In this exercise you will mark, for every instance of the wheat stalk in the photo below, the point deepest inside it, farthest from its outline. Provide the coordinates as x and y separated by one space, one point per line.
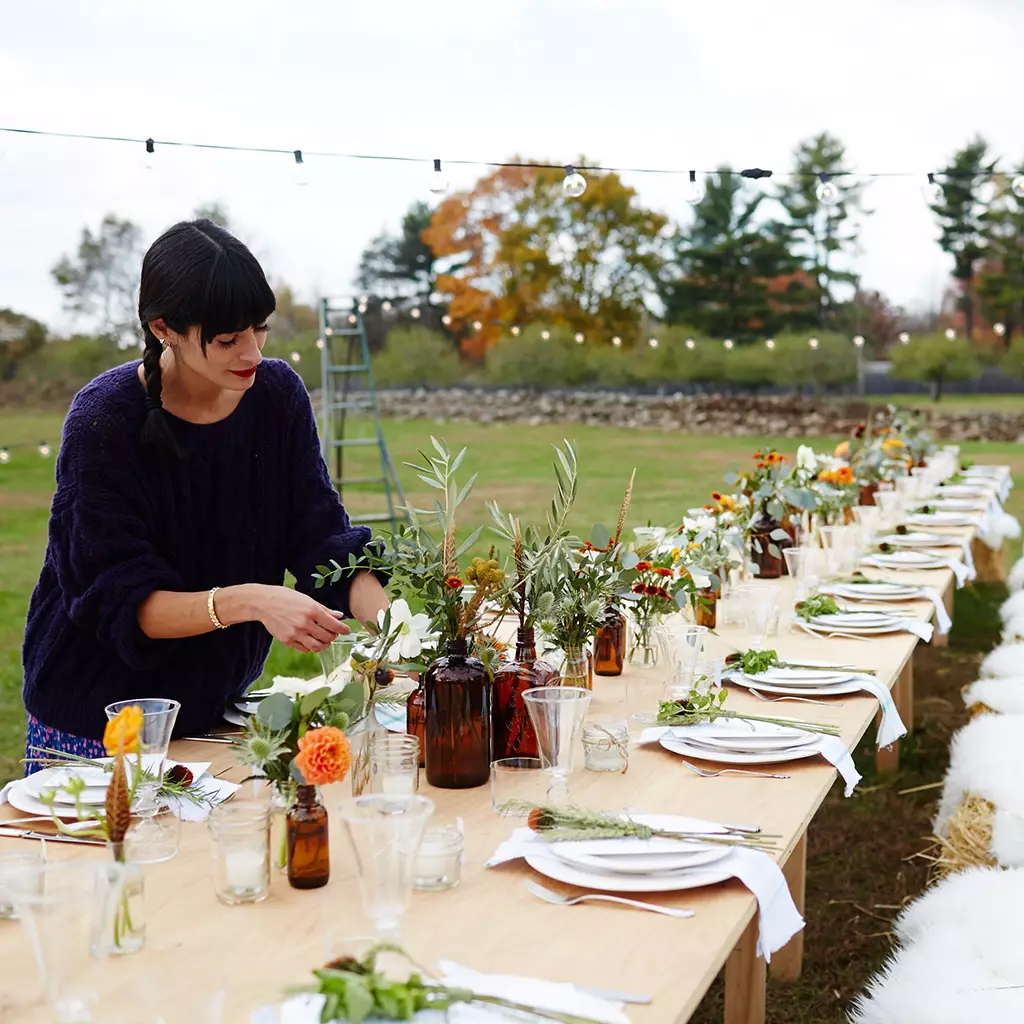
118 804
626 498
520 560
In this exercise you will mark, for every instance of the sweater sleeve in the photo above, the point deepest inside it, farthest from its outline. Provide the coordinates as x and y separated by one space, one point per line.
101 539
321 529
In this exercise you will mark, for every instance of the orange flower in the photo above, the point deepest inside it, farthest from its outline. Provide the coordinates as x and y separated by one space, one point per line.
454 583
324 756
642 566
535 819
639 588
663 572
122 731
842 450
715 496
844 475
726 503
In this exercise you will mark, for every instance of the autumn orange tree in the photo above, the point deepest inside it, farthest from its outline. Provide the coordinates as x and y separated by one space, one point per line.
529 253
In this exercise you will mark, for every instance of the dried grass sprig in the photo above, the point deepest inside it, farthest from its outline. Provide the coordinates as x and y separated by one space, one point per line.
627 497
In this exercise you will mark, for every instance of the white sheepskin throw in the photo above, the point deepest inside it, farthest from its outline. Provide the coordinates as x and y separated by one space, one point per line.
1015 580
1012 607
1005 661
1001 528
1005 696
1013 630
950 976
986 759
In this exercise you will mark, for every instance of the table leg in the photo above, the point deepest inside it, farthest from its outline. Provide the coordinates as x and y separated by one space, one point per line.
787 963
888 759
992 566
745 980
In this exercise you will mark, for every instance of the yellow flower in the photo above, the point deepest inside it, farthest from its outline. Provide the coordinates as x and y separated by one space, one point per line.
122 732
675 554
842 450
892 445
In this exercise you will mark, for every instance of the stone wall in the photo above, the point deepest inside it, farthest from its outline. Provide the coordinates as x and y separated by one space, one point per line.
727 415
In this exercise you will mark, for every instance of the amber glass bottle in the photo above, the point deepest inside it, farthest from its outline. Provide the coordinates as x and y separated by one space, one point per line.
706 610
416 715
610 644
309 860
511 728
769 565
458 727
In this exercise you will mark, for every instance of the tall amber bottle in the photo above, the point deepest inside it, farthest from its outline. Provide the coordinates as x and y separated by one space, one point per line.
511 728
769 565
610 644
309 860
458 728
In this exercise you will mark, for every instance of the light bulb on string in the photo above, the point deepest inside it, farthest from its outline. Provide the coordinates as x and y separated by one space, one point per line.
769 343
364 299
858 340
812 342
1017 186
446 320
414 313
44 449
579 338
320 344
438 179
690 343
652 342
933 192
904 338
329 331
148 157
296 358
386 306
827 191
5 456
300 172
545 335
362 307
950 334
352 318
728 343
617 341
1000 329
573 184
694 191
478 325
515 330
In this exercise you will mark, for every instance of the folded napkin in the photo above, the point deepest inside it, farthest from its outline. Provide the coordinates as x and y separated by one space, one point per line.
922 630
955 566
942 620
830 747
558 997
779 919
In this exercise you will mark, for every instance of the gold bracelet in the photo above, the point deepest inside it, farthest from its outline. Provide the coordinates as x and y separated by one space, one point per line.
212 610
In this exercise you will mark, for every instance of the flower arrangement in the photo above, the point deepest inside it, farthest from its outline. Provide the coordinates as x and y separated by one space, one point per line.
656 589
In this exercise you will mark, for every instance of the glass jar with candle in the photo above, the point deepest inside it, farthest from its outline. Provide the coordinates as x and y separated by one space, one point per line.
606 746
240 843
394 764
309 860
439 861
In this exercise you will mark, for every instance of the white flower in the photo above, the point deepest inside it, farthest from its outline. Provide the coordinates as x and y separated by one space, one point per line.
293 687
693 525
413 631
806 459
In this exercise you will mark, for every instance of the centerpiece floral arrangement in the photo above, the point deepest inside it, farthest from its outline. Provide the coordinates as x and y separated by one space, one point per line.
764 487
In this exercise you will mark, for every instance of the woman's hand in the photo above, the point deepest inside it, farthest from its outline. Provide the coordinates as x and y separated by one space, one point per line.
297 620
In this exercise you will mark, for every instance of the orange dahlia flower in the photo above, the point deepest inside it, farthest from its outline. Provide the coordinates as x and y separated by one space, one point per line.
121 734
324 756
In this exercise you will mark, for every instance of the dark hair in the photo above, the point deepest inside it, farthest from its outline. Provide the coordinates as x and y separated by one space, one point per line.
195 274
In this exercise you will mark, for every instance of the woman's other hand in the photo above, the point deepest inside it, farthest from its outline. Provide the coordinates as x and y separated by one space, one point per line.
297 620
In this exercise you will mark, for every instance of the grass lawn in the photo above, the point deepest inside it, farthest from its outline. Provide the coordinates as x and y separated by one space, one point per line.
861 851
955 403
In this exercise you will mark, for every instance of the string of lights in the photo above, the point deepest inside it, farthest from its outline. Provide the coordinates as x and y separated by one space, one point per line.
42 449
574 184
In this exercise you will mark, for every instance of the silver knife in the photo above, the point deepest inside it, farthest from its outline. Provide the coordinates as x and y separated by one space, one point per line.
57 837
615 997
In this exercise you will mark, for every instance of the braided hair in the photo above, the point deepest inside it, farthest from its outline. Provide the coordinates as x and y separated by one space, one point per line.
195 274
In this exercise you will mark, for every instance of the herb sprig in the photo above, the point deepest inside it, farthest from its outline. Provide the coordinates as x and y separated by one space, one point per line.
817 604
697 708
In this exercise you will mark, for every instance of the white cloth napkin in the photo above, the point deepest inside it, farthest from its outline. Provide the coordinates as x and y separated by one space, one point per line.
830 747
779 919
955 566
559 997
942 620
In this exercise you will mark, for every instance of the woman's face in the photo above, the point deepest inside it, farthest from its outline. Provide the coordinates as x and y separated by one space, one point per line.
230 361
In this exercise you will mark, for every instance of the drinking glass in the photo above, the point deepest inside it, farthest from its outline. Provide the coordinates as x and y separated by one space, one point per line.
240 843
867 516
759 603
840 545
906 488
519 779
889 506
394 764
707 675
557 714
797 561
149 837
925 478
681 646
385 833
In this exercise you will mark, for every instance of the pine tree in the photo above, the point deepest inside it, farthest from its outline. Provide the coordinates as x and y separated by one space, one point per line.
1001 278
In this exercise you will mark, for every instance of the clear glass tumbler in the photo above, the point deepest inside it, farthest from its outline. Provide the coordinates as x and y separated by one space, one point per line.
240 843
394 764
760 603
516 784
557 713
681 646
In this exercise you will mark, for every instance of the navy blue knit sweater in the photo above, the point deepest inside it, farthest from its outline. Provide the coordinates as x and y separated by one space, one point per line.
251 499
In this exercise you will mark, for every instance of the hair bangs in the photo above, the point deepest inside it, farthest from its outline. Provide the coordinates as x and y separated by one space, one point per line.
237 295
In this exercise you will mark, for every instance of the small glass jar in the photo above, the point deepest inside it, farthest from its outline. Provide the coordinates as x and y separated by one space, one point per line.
240 835
120 922
394 764
439 861
606 746
19 873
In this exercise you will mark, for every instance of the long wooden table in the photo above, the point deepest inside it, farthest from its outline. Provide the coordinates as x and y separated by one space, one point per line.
196 946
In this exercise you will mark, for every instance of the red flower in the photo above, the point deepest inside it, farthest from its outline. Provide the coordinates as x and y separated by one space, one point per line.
715 496
639 588
642 566
663 572
454 583
660 592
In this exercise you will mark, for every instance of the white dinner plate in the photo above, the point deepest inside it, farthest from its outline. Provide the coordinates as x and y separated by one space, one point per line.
861 619
957 504
799 677
677 746
788 689
751 744
940 519
823 630
885 592
918 540
966 490
690 855
919 561
992 472
554 867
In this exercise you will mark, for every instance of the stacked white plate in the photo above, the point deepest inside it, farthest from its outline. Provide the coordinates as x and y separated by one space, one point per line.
992 472
915 539
637 865
24 793
958 504
910 561
868 623
876 591
981 489
732 741
800 681
941 518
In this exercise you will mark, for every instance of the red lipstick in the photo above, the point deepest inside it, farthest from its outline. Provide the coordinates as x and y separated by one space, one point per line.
244 373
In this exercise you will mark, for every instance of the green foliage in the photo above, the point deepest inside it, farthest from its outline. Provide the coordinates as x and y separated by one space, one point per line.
796 364
1013 362
417 356
532 361
20 336
400 266
935 359
1001 282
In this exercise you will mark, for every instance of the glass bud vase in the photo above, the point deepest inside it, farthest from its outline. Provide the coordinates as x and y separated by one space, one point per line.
643 651
120 923
578 668
512 731
309 861
610 644
458 728
279 829
769 565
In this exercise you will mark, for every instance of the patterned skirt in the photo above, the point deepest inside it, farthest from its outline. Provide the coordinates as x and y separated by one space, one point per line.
39 735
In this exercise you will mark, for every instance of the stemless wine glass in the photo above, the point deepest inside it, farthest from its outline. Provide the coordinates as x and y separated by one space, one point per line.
889 505
681 646
149 839
557 714
385 833
760 603
840 544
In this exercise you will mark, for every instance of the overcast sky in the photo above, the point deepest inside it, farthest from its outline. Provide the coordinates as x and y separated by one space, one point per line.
640 83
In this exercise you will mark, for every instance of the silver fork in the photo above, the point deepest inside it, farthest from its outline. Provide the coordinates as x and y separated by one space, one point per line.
802 700
709 774
570 901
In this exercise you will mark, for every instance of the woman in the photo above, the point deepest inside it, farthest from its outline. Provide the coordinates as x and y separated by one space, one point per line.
186 486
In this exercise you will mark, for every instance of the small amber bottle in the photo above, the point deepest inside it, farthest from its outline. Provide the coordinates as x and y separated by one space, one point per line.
610 645
309 859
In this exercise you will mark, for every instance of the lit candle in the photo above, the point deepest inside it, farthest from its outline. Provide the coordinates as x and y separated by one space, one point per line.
245 869
439 861
399 784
